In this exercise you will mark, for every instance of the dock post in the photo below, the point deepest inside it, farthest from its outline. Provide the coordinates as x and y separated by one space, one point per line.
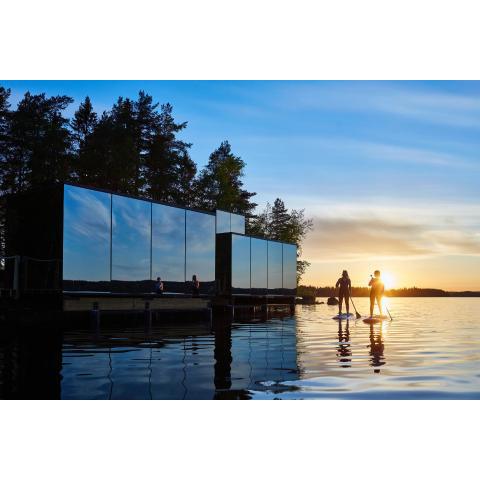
209 315
148 316
95 315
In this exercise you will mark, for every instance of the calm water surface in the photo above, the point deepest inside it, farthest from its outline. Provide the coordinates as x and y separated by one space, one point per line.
429 351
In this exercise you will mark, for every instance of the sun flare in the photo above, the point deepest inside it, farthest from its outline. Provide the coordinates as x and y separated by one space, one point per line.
388 280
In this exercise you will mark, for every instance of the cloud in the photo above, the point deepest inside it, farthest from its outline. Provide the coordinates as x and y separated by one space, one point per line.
396 153
360 238
346 148
418 103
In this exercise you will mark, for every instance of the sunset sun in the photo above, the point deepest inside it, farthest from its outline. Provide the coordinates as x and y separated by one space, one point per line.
388 280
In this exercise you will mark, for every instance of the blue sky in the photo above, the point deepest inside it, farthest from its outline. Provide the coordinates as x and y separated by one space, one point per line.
389 171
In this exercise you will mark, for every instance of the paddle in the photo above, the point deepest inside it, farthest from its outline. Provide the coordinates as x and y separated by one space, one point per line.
388 311
357 314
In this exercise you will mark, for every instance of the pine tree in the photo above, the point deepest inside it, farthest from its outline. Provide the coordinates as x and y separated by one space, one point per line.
5 184
169 171
84 123
259 224
125 165
219 185
280 222
134 149
39 144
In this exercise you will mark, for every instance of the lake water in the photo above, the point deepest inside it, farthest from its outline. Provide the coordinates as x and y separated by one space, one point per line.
429 351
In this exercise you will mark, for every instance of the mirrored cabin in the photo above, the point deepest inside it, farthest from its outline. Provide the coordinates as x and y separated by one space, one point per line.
255 266
85 240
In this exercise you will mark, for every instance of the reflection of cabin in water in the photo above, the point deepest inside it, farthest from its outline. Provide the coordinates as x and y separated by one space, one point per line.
87 248
172 360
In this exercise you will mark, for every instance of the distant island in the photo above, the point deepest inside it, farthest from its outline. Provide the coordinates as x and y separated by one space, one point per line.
312 291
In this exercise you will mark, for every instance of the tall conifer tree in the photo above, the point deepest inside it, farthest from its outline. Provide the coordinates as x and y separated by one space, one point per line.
220 185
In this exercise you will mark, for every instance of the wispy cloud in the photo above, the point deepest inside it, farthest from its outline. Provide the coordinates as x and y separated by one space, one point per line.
362 238
349 148
418 103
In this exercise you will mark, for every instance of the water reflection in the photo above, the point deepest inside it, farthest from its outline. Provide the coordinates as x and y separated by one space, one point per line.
30 363
430 355
166 360
377 347
223 358
344 352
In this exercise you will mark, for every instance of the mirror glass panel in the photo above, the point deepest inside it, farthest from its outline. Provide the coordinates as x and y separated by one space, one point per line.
237 223
86 235
131 237
259 275
200 249
168 243
240 264
223 221
274 267
289 268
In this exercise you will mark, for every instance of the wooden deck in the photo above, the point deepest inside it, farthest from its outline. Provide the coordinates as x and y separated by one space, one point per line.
140 303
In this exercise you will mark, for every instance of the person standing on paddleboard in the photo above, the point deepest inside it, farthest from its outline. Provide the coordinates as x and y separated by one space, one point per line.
377 289
344 286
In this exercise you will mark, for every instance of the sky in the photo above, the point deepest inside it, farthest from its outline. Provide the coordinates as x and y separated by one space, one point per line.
388 171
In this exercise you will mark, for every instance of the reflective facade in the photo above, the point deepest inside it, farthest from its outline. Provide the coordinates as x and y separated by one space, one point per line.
237 223
275 267
200 249
86 235
122 244
115 243
240 264
223 221
230 222
259 265
249 265
131 239
168 243
289 268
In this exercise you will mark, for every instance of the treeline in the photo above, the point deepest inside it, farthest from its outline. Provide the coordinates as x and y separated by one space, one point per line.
134 148
394 292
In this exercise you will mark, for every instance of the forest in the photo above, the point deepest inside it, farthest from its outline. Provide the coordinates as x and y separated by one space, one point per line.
312 291
133 148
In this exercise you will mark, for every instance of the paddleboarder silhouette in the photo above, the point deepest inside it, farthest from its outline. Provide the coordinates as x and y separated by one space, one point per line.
344 286
377 288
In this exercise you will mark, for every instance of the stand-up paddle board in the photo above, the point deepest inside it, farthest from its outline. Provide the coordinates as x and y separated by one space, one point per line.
343 316
375 319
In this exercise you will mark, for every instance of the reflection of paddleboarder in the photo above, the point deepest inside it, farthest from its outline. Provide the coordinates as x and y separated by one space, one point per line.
344 286
376 349
376 291
343 349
